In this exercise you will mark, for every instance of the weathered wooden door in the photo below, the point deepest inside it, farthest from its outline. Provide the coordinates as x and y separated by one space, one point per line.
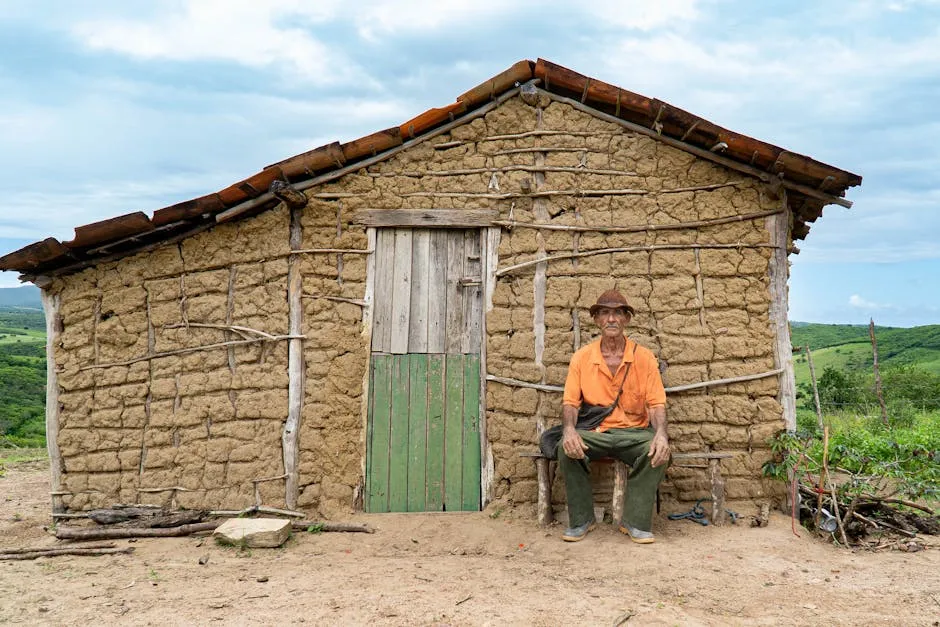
423 447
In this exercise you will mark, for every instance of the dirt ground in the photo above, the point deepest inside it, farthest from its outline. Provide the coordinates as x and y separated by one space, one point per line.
463 569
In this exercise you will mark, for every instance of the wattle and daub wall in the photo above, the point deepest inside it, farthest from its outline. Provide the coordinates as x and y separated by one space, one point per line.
204 428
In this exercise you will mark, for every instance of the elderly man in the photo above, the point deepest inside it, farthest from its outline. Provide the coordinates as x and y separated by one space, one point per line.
615 372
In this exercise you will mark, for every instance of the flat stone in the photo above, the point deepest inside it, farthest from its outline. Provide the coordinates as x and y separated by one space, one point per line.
253 532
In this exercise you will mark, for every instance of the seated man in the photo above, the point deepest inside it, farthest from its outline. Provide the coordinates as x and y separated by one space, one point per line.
614 371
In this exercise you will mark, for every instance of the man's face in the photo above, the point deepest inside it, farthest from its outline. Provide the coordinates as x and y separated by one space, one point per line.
612 321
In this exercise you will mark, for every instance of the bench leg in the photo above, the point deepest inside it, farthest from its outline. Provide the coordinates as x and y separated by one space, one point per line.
718 492
545 491
620 488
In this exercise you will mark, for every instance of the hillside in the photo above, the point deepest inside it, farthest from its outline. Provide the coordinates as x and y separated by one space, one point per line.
848 347
26 296
22 375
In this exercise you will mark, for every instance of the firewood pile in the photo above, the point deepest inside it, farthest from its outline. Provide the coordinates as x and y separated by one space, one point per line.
149 521
864 520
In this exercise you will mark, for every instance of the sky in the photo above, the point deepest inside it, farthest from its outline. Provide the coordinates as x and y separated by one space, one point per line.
109 107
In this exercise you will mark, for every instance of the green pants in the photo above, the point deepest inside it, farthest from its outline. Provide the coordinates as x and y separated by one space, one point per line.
631 446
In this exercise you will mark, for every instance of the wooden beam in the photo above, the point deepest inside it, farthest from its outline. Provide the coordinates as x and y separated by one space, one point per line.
427 218
293 198
290 438
779 270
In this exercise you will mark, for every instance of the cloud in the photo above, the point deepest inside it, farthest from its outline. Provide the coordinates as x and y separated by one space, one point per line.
274 33
858 302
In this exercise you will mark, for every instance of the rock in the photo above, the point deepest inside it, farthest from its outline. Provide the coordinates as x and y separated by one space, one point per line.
253 532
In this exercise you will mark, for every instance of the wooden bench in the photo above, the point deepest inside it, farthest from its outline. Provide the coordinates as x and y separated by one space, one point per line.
545 470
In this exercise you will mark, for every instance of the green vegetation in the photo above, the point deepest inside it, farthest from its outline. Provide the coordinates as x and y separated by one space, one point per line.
22 378
900 458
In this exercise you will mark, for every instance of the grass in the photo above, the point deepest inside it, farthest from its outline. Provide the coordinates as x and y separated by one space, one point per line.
21 336
905 455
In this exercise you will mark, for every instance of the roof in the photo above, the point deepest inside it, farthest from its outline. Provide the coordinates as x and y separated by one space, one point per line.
810 184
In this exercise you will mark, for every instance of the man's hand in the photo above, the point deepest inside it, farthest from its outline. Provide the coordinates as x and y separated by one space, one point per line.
572 443
659 449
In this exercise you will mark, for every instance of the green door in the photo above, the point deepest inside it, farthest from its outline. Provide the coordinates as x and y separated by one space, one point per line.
423 439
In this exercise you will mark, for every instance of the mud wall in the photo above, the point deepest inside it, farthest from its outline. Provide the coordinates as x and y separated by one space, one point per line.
194 429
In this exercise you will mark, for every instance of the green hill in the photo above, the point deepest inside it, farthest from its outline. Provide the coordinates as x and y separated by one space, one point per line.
848 347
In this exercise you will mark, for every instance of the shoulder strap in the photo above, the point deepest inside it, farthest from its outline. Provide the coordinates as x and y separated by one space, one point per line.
626 372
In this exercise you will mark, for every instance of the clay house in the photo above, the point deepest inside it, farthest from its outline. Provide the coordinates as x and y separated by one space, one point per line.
385 324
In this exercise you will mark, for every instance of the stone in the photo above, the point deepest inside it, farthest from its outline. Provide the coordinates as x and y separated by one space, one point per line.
253 532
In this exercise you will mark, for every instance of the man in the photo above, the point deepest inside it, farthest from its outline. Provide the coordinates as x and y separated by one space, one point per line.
634 432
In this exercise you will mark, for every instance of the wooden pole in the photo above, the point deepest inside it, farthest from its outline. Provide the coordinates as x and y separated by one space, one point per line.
290 438
779 227
874 353
718 492
50 306
812 377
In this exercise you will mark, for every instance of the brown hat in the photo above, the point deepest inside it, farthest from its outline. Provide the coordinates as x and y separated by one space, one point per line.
611 298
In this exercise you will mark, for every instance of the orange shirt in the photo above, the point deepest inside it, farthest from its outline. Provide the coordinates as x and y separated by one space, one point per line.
589 380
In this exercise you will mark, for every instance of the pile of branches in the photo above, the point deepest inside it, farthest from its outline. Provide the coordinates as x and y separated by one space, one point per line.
151 521
858 511
862 519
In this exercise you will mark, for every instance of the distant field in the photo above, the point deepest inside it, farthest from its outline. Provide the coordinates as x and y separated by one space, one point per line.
848 347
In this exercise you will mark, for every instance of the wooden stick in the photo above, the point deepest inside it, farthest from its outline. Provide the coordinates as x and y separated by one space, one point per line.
699 152
175 488
923 508
50 307
516 151
823 476
835 512
290 437
678 388
226 327
345 251
570 192
881 523
193 349
339 299
92 533
627 249
544 133
637 228
256 509
812 377
63 551
874 353
303 525
39 549
508 168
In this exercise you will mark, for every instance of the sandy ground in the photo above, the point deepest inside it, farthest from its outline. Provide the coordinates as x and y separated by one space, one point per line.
463 569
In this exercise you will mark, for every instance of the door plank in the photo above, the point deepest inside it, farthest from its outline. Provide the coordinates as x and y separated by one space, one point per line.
455 268
421 276
453 433
401 292
382 316
417 432
435 464
379 442
398 436
472 294
437 292
471 433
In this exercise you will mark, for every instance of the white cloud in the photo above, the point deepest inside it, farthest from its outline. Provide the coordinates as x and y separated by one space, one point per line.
254 34
860 303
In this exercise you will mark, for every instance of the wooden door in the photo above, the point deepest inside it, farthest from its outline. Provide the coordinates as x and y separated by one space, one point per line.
423 445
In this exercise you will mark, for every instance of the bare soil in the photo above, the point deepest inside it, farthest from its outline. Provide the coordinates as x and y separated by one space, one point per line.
488 568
